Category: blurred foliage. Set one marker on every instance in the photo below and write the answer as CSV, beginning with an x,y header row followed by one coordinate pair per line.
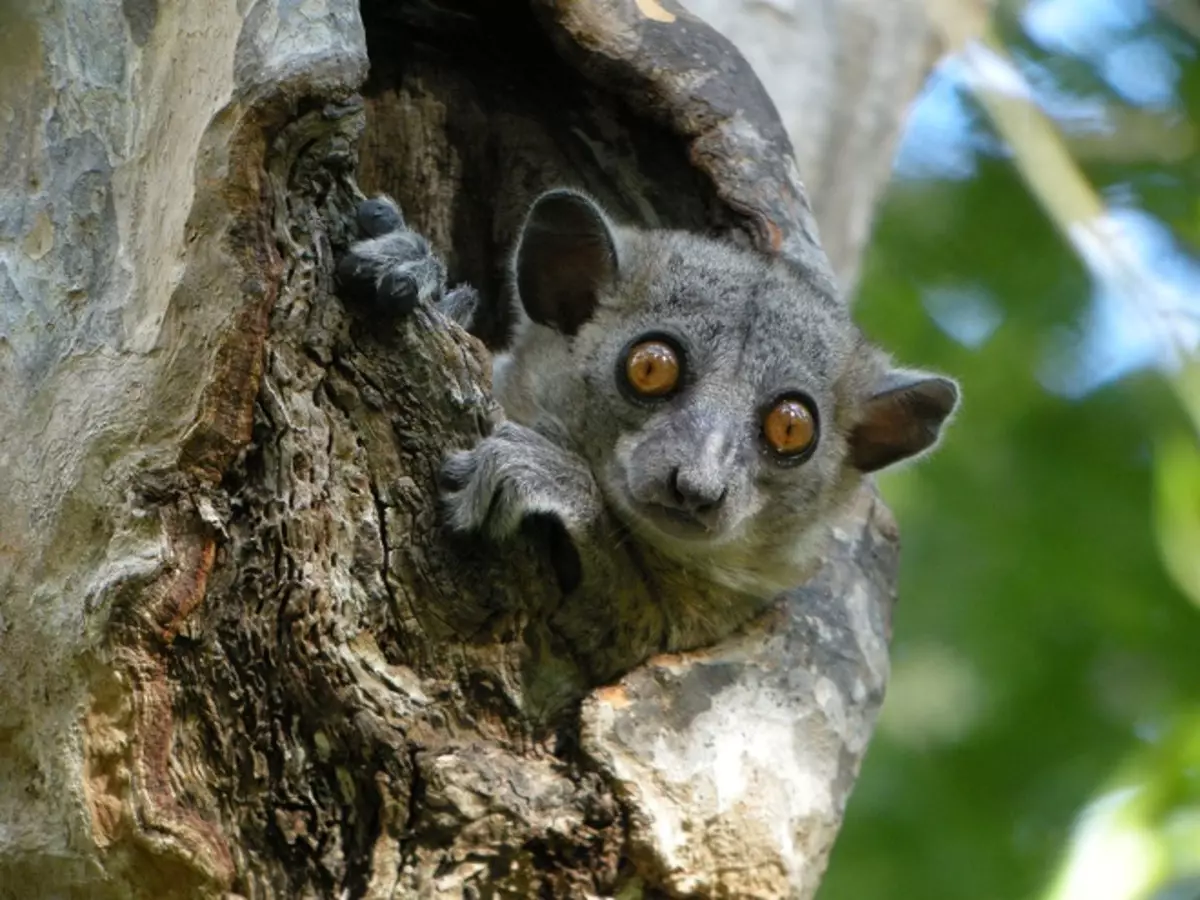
x,y
1041,736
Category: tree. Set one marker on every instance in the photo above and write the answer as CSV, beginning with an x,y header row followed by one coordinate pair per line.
x,y
239,656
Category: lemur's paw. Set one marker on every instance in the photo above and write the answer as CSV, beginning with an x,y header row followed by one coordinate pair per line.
x,y
377,216
392,268
510,475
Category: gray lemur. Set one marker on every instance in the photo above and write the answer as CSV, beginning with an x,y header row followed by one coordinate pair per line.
x,y
692,415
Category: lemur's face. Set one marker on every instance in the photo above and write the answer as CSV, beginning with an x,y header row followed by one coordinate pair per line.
x,y
715,397
721,398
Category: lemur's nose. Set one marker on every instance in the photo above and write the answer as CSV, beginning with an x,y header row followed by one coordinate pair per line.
x,y
695,494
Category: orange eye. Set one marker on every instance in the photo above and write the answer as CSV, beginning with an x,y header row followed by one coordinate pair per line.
x,y
652,368
789,427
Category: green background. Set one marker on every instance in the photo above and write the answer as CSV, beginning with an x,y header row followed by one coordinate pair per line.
x,y
1041,736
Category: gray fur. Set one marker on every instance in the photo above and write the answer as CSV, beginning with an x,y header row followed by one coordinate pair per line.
x,y
753,329
396,265
685,523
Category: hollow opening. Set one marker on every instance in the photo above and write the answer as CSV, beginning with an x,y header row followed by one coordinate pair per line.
x,y
471,113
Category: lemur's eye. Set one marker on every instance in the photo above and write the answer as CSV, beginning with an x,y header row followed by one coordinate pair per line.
x,y
652,368
790,427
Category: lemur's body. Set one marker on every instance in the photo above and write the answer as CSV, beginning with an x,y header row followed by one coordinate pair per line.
x,y
693,415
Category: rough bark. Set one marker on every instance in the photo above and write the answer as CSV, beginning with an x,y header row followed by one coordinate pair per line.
x,y
239,655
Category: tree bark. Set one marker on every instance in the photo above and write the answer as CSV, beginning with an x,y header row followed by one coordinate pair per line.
x,y
842,75
240,656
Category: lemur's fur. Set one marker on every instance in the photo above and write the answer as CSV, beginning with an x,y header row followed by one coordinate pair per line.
x,y
685,524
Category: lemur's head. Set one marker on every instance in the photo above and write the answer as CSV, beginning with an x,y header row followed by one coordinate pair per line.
x,y
726,403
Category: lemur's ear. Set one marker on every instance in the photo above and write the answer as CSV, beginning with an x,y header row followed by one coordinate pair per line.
x,y
565,255
902,418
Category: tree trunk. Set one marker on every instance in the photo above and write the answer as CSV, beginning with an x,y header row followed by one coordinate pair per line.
x,y
239,655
